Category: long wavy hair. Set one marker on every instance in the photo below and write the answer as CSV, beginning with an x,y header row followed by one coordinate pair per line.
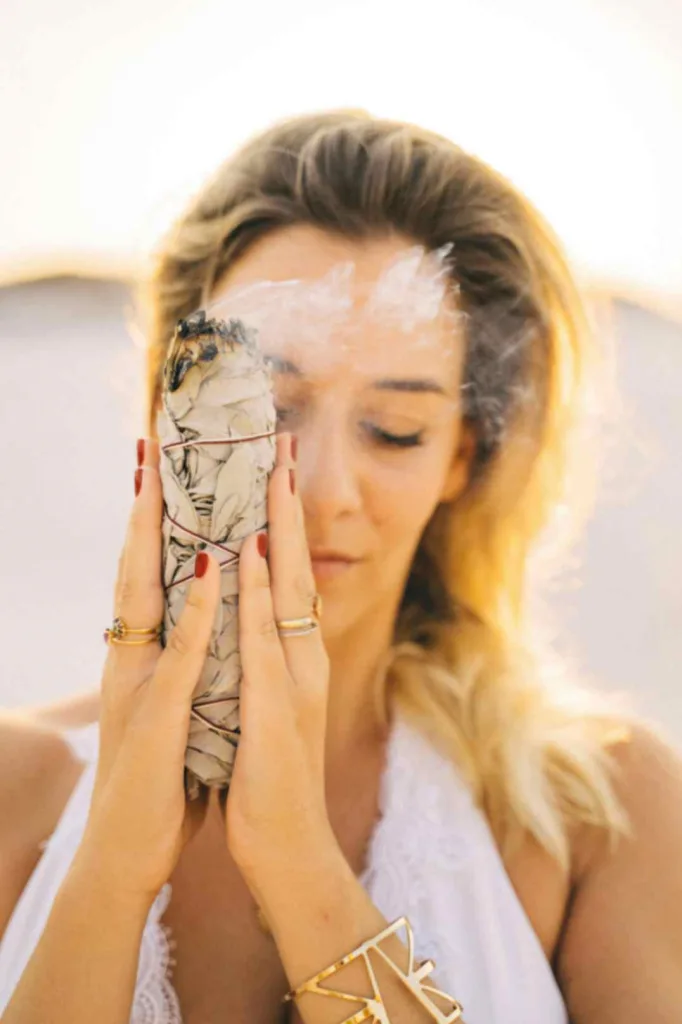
x,y
469,665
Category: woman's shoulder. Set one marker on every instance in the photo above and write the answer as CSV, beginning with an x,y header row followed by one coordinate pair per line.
x,y
628,896
561,901
38,764
38,771
70,712
647,779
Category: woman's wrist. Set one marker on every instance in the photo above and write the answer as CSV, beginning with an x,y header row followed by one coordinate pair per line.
x,y
90,873
274,875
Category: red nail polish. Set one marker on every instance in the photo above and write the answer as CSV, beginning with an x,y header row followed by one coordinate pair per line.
x,y
201,564
140,451
138,481
294,447
262,544
292,481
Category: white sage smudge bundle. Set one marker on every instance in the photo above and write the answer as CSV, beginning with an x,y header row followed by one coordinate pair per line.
x,y
217,390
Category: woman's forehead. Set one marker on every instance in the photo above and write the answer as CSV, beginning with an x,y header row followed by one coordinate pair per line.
x,y
361,306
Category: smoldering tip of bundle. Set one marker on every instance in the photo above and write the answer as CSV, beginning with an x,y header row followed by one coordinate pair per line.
x,y
198,340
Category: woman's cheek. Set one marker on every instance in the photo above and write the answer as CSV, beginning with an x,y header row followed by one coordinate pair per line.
x,y
404,501
420,477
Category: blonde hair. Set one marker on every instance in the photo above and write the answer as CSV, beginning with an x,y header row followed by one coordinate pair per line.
x,y
467,665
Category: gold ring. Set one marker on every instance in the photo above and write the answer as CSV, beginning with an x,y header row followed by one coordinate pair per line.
x,y
118,631
304,625
296,627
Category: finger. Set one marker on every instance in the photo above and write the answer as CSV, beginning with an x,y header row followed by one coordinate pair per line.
x,y
139,601
262,657
293,580
139,595
179,667
145,516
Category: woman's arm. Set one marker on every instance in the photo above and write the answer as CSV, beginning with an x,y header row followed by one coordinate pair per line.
x,y
90,937
85,965
318,912
38,771
621,953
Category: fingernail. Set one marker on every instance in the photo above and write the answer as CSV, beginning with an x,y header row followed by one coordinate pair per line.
x,y
138,480
201,564
294,447
262,544
292,481
140,451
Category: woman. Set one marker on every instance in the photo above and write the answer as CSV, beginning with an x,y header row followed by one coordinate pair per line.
x,y
419,754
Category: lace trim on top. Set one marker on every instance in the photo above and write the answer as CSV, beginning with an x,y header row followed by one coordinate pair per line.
x,y
156,1000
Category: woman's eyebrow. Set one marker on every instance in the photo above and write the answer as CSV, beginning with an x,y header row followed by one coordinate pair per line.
x,y
424,384
417,384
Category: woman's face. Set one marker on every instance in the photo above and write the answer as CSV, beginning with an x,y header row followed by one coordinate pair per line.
x,y
366,349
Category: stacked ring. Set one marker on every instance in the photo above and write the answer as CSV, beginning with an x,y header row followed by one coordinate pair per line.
x,y
118,632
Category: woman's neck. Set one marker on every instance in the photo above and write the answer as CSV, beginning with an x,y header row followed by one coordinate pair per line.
x,y
356,661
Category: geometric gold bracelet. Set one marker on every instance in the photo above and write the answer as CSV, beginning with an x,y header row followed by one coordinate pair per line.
x,y
374,1007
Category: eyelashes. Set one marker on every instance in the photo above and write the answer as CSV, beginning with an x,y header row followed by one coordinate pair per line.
x,y
396,440
382,437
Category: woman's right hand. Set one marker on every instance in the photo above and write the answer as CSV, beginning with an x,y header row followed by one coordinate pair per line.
x,y
139,816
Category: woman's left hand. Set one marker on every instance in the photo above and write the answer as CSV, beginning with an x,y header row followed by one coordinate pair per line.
x,y
276,798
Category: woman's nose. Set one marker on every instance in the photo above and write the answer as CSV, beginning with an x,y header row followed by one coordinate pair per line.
x,y
327,471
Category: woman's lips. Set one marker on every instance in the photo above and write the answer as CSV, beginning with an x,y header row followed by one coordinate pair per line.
x,y
330,568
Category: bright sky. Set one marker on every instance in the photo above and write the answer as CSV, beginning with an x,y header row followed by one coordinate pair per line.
x,y
112,114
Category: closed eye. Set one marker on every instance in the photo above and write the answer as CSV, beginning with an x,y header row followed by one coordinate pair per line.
x,y
383,437
396,440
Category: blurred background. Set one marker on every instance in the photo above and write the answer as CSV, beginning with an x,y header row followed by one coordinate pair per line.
x,y
111,116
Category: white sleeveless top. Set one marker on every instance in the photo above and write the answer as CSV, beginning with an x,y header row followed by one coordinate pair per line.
x,y
431,858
